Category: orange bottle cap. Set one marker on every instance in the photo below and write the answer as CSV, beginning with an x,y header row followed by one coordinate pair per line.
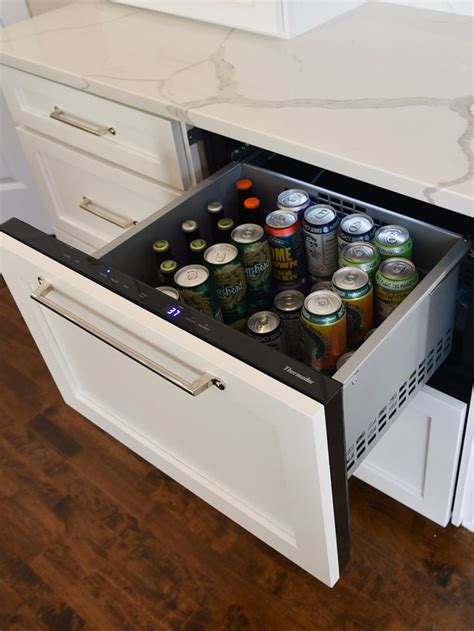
x,y
251,203
244,184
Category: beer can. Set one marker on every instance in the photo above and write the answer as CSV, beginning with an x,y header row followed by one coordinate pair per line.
x,y
321,284
362,255
355,289
169,291
288,305
265,327
197,291
393,242
343,359
295,200
255,253
323,330
395,279
320,223
356,227
231,285
285,238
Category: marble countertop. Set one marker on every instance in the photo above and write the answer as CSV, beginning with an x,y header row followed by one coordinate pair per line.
x,y
383,94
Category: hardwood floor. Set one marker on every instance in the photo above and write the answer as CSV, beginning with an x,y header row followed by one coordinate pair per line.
x,y
93,537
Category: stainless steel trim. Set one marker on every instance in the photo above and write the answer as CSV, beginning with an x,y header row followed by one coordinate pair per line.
x,y
59,115
199,385
107,215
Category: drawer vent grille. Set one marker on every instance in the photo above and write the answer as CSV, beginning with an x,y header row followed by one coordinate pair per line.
x,y
400,398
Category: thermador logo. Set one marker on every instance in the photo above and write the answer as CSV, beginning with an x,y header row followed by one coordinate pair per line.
x,y
297,374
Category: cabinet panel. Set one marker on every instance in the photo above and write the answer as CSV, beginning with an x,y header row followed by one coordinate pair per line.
x,y
416,462
87,198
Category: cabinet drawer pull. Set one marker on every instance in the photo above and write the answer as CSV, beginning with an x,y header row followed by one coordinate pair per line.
x,y
203,382
59,115
107,215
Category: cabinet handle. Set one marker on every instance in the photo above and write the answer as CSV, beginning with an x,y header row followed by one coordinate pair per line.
x,y
203,382
108,215
59,115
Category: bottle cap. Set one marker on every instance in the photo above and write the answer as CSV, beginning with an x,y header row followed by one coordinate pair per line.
x,y
244,184
198,245
226,223
252,203
161,246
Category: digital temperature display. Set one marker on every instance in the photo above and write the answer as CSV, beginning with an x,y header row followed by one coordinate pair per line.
x,y
174,312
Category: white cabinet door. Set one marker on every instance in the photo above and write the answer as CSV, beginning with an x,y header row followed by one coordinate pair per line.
x,y
416,462
463,509
257,450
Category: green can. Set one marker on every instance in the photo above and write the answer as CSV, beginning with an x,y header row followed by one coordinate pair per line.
x,y
395,279
167,271
230,281
393,242
249,239
362,255
196,290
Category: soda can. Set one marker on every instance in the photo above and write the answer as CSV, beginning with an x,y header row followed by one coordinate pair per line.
x,y
197,291
320,223
393,242
266,328
255,253
395,279
323,330
169,291
343,359
355,289
294,200
321,284
231,285
288,305
285,238
356,227
362,255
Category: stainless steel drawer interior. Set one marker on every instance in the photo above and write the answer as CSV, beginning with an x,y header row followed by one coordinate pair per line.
x,y
387,370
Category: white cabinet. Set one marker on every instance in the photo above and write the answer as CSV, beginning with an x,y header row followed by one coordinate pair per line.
x,y
416,462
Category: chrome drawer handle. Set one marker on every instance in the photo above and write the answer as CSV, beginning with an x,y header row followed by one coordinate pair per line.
x,y
108,215
203,382
59,115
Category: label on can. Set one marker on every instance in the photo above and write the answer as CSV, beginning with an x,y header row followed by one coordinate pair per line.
x,y
285,238
355,289
265,326
395,279
288,305
320,236
256,258
356,227
196,290
323,330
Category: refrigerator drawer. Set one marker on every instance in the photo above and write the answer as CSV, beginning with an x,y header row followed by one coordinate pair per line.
x,y
403,352
88,198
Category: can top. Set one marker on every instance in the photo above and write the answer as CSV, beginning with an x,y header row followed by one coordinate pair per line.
x,y
226,223
289,300
244,184
293,198
198,245
350,278
168,266
359,252
161,246
247,233
392,235
263,322
214,207
397,269
221,253
343,359
191,276
252,203
322,302
190,225
281,219
322,284
320,215
357,224
169,291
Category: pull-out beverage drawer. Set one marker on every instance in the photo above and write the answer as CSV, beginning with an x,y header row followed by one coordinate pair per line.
x,y
255,433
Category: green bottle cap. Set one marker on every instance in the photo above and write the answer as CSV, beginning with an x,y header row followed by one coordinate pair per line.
x,y
168,267
198,245
189,225
226,224
161,246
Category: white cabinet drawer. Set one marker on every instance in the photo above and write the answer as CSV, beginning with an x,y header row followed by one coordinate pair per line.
x,y
150,145
87,198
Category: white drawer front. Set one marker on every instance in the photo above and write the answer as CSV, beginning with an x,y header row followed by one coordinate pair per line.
x,y
87,198
257,451
142,142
